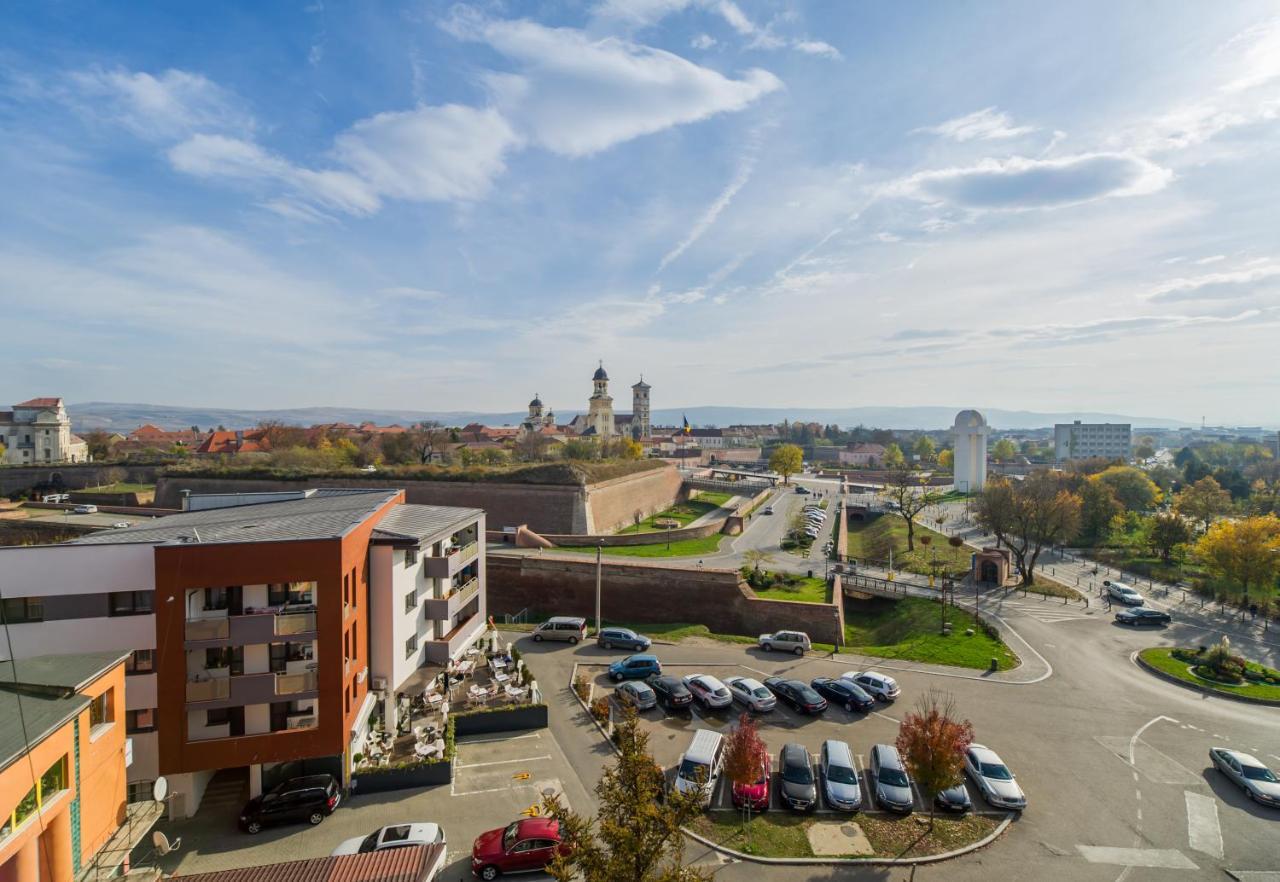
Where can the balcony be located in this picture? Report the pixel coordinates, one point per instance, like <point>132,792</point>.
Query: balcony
<point>214,689</point>
<point>208,629</point>
<point>453,560</point>
<point>292,684</point>
<point>451,645</point>
<point>289,624</point>
<point>445,608</point>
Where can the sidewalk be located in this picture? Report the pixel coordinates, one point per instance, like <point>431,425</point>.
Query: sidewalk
<point>717,515</point>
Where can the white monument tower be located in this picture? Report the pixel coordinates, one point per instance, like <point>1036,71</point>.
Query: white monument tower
<point>970,462</point>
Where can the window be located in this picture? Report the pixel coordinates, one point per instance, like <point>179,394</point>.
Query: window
<point>141,661</point>
<point>140,720</point>
<point>23,609</point>
<point>410,556</point>
<point>279,657</point>
<point>217,717</point>
<point>411,601</point>
<point>411,646</point>
<point>355,643</point>
<point>130,603</point>
<point>142,791</point>
<point>277,595</point>
<point>346,590</point>
<point>102,711</point>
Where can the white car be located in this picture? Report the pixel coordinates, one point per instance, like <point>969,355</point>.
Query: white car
<point>397,836</point>
<point>877,685</point>
<point>993,778</point>
<point>707,690</point>
<point>752,693</point>
<point>1122,593</point>
<point>85,509</point>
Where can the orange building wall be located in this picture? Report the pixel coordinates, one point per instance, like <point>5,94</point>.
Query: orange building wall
<point>102,770</point>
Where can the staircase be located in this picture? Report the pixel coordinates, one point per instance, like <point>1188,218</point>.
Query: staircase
<point>227,792</point>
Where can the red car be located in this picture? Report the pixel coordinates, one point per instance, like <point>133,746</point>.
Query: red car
<point>755,795</point>
<point>520,847</point>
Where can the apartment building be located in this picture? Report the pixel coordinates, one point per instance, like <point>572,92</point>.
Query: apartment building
<point>62,764</point>
<point>39,431</point>
<point>252,624</point>
<point>1086,440</point>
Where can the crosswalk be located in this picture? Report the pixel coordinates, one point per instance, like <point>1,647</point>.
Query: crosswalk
<point>1048,611</point>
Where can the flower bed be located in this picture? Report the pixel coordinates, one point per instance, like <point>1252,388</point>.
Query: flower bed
<point>1256,682</point>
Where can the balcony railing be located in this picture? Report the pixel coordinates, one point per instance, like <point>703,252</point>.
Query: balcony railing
<point>464,592</point>
<point>208,629</point>
<point>289,684</point>
<point>295,623</point>
<point>465,551</point>
<point>215,689</point>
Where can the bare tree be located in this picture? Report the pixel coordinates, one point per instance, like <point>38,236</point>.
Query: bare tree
<point>910,495</point>
<point>425,440</point>
<point>1029,516</point>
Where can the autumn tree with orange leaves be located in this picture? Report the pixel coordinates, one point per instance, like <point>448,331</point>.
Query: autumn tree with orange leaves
<point>932,743</point>
<point>745,753</point>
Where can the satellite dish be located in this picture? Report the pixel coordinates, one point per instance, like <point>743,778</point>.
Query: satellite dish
<point>160,789</point>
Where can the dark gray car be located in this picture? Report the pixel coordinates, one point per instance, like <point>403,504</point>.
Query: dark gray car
<point>892,786</point>
<point>797,788</point>
<point>638,694</point>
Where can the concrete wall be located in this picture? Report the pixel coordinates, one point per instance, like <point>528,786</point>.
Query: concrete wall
<point>641,593</point>
<point>656,538</point>
<point>16,479</point>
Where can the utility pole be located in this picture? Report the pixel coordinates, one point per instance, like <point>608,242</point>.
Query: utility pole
<point>599,554</point>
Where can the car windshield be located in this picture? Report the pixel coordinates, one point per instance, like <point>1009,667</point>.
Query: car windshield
<point>509,835</point>
<point>841,775</point>
<point>760,692</point>
<point>369,843</point>
<point>892,777</point>
<point>797,773</point>
<point>1258,773</point>
<point>691,771</point>
<point>721,692</point>
<point>996,772</point>
<point>807,694</point>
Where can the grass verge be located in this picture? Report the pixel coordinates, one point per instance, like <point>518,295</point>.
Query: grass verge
<point>685,513</point>
<point>680,548</point>
<point>910,628</point>
<point>873,538</point>
<point>1161,658</point>
<point>716,498</point>
<point>781,834</point>
<point>121,487</point>
<point>798,588</point>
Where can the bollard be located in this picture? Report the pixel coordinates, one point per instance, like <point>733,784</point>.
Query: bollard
<point>995,664</point>
<point>1064,600</point>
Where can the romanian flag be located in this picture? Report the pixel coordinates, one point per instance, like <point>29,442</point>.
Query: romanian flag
<point>687,428</point>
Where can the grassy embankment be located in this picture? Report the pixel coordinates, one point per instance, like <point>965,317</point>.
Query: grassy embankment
<point>910,628</point>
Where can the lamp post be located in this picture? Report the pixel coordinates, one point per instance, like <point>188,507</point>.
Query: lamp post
<point>599,565</point>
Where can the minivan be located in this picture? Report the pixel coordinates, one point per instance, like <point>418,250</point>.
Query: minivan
<point>892,786</point>
<point>570,629</point>
<point>839,776</point>
<point>700,765</point>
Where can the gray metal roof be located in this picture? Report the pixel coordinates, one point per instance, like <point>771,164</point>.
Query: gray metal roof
<point>415,523</point>
<point>326,514</point>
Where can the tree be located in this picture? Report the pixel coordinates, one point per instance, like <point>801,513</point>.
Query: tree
<point>1098,506</point>
<point>755,557</point>
<point>1134,490</point>
<point>630,449</point>
<point>279,435</point>
<point>580,448</point>
<point>1143,450</point>
<point>946,459</point>
<point>933,742</point>
<point>910,496</point>
<point>635,835</point>
<point>745,753</point>
<point>1004,450</point>
<point>786,460</point>
<point>531,447</point>
<point>1203,501</point>
<point>1245,551</point>
<point>99,444</point>
<point>925,448</point>
<point>893,458</point>
<point>425,440</point>
<point>1168,531</point>
<point>1036,512</point>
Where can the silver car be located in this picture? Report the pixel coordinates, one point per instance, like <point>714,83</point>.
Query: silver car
<point>752,693</point>
<point>638,694</point>
<point>892,786</point>
<point>840,784</point>
<point>786,641</point>
<point>994,780</point>
<point>1256,780</point>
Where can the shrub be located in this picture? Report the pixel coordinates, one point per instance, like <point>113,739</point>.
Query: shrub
<point>582,686</point>
<point>600,709</point>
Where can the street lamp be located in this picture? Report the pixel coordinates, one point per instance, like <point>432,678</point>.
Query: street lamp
<point>599,554</point>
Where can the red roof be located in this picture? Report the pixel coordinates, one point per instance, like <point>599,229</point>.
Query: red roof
<point>389,865</point>
<point>250,441</point>
<point>40,402</point>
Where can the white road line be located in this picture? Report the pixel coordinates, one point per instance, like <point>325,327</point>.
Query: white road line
<point>1133,742</point>
<point>1255,875</point>
<point>494,790</point>
<point>1158,858</point>
<point>1203,830</point>
<point>887,717</point>
<point>1273,756</point>
<point>527,759</point>
<point>492,740</point>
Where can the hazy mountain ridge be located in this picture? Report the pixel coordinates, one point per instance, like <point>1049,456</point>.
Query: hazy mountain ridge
<point>120,417</point>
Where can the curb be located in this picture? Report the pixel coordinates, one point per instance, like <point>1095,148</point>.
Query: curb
<point>854,862</point>
<point>1207,691</point>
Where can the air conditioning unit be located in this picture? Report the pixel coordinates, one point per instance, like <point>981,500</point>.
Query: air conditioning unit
<point>379,684</point>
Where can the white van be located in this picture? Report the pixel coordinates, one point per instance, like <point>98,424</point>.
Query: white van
<point>700,765</point>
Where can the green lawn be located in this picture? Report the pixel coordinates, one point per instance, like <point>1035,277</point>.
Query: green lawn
<point>782,834</point>
<point>121,487</point>
<point>1161,658</point>
<point>801,588</point>
<point>680,548</point>
<point>713,497</point>
<point>910,628</point>
<point>684,512</point>
<point>871,540</point>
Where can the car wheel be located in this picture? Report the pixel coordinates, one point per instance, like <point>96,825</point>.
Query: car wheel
<point>767,647</point>
<point>617,677</point>
<point>848,706</point>
<point>253,827</point>
<point>799,650</point>
<point>537,638</point>
<point>639,647</point>
<point>490,873</point>
<point>315,818</point>
<point>607,645</point>
<point>573,639</point>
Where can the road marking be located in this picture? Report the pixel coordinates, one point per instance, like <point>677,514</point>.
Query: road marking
<point>1255,875</point>
<point>1158,858</point>
<point>493,790</point>
<point>492,740</point>
<point>887,717</point>
<point>526,759</point>
<point>1204,833</point>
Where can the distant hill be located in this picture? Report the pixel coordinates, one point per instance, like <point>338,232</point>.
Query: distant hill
<point>125,417</point>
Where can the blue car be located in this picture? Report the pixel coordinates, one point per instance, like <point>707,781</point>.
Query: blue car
<point>608,638</point>
<point>635,667</point>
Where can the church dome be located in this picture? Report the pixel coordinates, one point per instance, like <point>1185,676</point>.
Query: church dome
<point>600,374</point>
<point>536,402</point>
<point>970,419</point>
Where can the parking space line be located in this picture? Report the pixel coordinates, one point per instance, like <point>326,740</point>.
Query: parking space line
<point>887,717</point>
<point>492,740</point>
<point>493,790</point>
<point>527,759</point>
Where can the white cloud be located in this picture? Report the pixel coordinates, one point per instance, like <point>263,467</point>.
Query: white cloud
<point>743,174</point>
<point>703,41</point>
<point>1021,183</point>
<point>640,14</point>
<point>171,105</point>
<point>1216,286</point>
<point>1211,259</point>
<point>408,292</point>
<point>983,125</point>
<point>816,47</point>
<point>577,95</point>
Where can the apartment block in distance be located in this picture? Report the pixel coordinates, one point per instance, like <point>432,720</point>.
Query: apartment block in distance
<point>62,765</point>
<point>263,610</point>
<point>1086,440</point>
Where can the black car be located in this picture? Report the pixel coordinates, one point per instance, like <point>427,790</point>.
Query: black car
<point>797,694</point>
<point>797,788</point>
<point>311,798</point>
<point>849,696</point>
<point>953,799</point>
<point>1143,616</point>
<point>671,692</point>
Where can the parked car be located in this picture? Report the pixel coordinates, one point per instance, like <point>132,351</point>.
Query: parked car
<point>848,695</point>
<point>310,798</point>
<point>520,847</point>
<point>892,786</point>
<point>608,638</point>
<point>803,491</point>
<point>1257,781</point>
<point>953,799</point>
<point>796,785</point>
<point>881,686</point>
<point>786,641</point>
<point>85,509</point>
<point>756,794</point>
<point>840,785</point>
<point>1143,615</point>
<point>671,692</point>
<point>708,691</point>
<point>752,693</point>
<point>768,509</point>
<point>700,765</point>
<point>1122,593</point>
<point>570,629</point>
<point>638,694</point>
<point>394,836</point>
<point>635,667</point>
<point>995,782</point>
<point>120,525</point>
<point>799,696</point>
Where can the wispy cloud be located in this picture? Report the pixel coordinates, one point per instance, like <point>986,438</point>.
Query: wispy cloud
<point>988,124</point>
<point>1217,286</point>
<point>640,14</point>
<point>169,105</point>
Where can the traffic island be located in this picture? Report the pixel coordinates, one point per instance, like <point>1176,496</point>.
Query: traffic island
<point>1244,681</point>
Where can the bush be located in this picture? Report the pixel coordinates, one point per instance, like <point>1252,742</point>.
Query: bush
<point>600,709</point>
<point>582,686</point>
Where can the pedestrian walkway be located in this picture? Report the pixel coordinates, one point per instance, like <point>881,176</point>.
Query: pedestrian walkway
<point>718,514</point>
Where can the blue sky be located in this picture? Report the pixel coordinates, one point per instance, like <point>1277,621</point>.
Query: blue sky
<point>444,206</point>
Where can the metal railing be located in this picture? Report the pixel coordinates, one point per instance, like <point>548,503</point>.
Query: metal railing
<point>208,629</point>
<point>464,551</point>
